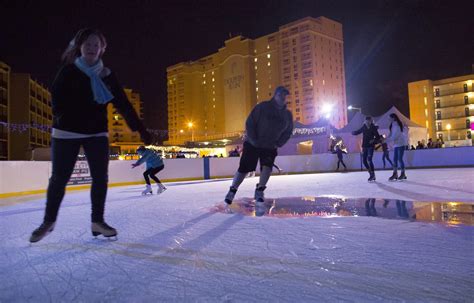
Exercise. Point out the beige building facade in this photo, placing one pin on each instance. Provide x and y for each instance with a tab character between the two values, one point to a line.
210	98
121	138
445	107
30	111
4	103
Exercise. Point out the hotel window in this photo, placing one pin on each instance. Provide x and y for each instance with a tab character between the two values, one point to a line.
466	100
255	60
438	103
468	123
437	92
439	126
426	101
465	88
268	56
438	115
466	111
469	135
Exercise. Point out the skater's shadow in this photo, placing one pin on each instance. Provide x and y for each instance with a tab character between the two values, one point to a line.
410	194
174	236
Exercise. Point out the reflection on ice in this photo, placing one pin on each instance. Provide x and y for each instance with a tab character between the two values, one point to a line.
446	212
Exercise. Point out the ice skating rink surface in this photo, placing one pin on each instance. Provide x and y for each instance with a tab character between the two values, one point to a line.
179	246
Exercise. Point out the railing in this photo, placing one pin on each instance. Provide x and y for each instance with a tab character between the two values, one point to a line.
447	92
457	104
453	116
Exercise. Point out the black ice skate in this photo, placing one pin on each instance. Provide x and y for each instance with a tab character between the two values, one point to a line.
372	177
259	196
394	177
102	228
230	195
42	231
402	176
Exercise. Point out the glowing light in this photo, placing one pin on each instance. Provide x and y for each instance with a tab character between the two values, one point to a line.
448	126
121	157
190	124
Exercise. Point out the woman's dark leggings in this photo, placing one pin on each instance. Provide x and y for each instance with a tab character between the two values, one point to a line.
64	154
368	153
386	155
150	173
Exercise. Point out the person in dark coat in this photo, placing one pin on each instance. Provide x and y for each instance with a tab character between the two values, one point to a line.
386	155
268	127
80	93
370	136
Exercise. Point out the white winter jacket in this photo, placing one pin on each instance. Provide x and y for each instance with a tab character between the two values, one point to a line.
398	137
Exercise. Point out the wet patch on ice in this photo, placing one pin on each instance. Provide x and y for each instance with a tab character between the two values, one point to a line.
449	212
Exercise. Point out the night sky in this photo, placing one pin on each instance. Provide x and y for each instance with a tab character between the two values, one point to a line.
386	43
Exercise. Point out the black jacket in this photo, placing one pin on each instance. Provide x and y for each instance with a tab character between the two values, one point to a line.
75	110
269	126
370	135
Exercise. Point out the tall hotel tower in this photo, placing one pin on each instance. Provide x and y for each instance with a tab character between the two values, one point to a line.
210	98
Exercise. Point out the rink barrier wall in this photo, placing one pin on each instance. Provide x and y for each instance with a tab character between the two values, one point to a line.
31	177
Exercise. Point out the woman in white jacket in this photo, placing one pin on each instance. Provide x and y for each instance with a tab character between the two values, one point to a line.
398	135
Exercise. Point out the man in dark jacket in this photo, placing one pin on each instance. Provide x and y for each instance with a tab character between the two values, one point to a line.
370	136
269	126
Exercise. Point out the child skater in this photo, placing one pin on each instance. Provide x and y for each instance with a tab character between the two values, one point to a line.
154	164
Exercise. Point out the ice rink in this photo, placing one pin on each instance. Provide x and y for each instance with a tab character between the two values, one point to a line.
177	247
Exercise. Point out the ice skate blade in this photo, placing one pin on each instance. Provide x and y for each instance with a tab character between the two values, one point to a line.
34	240
227	209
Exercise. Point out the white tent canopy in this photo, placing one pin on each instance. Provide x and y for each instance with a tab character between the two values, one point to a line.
319	142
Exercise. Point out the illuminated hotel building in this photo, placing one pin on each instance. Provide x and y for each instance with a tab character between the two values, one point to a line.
445	107
4	103
210	98
32	115
121	138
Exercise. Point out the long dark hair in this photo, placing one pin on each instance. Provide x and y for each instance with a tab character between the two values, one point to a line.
74	48
394	116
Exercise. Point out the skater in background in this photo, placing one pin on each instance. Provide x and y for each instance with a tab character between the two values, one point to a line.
398	136
386	155
154	164
370	137
340	151
80	93
268	127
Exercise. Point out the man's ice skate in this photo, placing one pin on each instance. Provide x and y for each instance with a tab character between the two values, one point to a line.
102	228
147	190
259	195
372	177
402	176
161	188
394	177
42	231
230	195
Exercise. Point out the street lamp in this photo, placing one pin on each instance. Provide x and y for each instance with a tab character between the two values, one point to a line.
448	127
326	110
190	125
350	107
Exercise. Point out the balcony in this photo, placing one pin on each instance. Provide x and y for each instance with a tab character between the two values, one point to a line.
459	115
447	92
458	103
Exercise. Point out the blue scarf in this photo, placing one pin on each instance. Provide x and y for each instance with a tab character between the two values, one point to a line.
101	94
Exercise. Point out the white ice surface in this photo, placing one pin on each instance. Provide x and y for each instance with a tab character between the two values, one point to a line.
172	248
